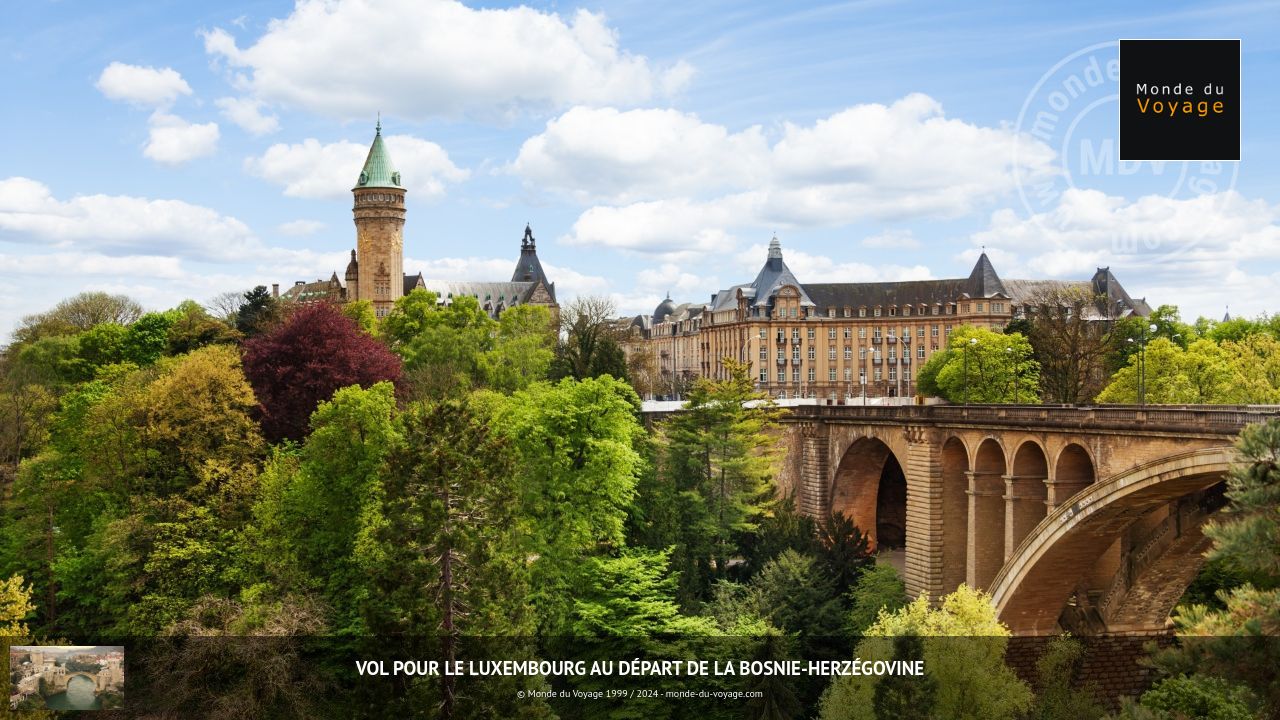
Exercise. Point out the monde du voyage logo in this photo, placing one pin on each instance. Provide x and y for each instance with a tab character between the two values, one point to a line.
1180	100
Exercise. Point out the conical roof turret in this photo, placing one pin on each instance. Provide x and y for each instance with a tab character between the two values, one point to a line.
378	171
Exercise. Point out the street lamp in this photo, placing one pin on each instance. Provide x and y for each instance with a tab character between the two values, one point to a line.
1142	362
1013	375
972	342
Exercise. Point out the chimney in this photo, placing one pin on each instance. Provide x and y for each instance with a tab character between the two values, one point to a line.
275	289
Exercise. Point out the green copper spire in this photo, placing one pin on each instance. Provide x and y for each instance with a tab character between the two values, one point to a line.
378	170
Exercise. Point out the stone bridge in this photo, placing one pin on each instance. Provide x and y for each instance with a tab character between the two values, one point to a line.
1079	518
59	681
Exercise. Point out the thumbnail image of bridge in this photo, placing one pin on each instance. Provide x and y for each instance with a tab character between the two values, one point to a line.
1086	519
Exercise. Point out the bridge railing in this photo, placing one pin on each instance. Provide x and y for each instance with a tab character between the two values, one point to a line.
1211	418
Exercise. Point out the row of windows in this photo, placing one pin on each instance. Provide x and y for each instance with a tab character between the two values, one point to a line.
810	333
877	376
848	353
791	310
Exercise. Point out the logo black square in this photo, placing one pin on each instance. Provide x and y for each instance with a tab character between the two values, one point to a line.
1179	99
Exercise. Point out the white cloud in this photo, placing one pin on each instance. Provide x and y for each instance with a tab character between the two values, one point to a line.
674	279
94	264
248	114
118	224
665	179
347	58
619	157
300	227
892	240
465	268
142	85
313	170
174	141
672	230
1187	251
810	268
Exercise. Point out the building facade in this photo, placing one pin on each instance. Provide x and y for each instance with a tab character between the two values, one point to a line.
835	340
376	270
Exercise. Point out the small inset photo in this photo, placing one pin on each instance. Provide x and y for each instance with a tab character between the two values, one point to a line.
66	677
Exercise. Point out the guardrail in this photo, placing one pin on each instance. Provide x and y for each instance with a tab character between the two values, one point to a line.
1210	418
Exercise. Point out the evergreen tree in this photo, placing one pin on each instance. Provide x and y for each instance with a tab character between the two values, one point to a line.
843	551
1237	643
777	697
901	696
256	313
442	546
720	459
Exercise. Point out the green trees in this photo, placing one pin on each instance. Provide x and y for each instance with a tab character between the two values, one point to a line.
76	314
1245	371
719	461
15	606
962	645
452	349
1071	346
1197	696
315	502
1236	643
878	589
590	348
574	477
982	366
256	312
126	516
630	595
523	349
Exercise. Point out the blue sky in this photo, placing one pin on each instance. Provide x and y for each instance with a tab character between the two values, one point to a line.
168	150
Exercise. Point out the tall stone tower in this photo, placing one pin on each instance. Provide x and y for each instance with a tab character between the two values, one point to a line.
378	265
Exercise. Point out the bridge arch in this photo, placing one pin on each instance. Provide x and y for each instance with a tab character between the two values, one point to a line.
1033	587
1026	493
870	488
986	512
1073	470
955	512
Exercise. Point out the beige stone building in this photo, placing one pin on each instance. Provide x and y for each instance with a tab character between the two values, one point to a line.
834	340
376	271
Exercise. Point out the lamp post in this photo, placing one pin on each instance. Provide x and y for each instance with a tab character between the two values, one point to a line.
1142	362
1013	374
972	342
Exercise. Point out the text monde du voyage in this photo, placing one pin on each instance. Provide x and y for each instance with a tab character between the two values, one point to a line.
636	667
1179	99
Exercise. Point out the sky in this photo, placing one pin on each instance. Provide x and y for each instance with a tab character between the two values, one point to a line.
171	150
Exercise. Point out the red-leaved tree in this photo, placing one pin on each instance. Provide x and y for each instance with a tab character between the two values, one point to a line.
301	362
